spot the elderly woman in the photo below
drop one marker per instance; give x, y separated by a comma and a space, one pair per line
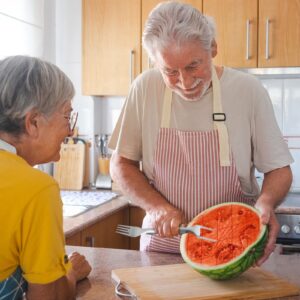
200, 131
35, 117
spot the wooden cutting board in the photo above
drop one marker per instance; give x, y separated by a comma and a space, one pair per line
69, 170
180, 281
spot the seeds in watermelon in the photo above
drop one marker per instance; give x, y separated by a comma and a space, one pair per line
240, 236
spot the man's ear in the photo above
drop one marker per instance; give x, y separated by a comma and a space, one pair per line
32, 123
214, 48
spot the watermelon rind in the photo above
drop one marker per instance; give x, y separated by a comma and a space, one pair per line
239, 264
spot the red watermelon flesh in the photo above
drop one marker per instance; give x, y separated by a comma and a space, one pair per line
236, 227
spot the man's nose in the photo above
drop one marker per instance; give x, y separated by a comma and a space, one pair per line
186, 80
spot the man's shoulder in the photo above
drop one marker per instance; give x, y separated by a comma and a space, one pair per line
150, 76
239, 78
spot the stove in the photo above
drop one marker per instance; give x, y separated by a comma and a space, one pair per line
288, 216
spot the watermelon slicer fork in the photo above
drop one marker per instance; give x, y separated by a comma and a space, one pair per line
134, 231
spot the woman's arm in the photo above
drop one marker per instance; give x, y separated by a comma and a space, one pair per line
63, 288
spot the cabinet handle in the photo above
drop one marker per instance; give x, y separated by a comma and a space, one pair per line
247, 38
267, 39
131, 65
149, 62
90, 241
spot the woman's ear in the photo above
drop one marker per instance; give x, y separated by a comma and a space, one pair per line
32, 123
214, 48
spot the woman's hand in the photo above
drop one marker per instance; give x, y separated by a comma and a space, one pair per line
268, 217
80, 266
166, 220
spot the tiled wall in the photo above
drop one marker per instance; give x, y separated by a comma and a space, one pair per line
285, 96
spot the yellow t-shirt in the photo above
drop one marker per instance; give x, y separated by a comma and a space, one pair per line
31, 223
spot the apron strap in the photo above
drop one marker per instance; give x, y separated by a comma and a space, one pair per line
166, 112
219, 121
218, 118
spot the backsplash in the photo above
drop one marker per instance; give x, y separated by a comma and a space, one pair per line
285, 96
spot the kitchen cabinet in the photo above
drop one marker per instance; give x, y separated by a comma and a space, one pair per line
136, 216
147, 6
236, 22
256, 33
110, 45
74, 240
102, 233
279, 33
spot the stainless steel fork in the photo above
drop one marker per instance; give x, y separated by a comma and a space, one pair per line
134, 231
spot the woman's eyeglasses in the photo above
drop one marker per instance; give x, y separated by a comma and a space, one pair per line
72, 119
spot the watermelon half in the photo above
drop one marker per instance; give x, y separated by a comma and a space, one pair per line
240, 235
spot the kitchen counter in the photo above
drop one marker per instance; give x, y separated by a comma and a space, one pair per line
73, 225
99, 284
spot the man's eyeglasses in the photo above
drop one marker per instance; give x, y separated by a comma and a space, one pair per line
72, 119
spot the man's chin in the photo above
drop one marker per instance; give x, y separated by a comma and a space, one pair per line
190, 98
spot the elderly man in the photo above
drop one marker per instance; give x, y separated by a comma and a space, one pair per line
200, 131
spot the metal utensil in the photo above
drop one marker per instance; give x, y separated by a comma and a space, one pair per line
134, 231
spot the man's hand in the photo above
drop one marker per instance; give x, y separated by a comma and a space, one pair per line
268, 218
166, 220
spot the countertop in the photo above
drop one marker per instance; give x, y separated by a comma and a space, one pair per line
104, 260
80, 222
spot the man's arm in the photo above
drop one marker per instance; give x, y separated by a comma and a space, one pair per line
275, 186
132, 182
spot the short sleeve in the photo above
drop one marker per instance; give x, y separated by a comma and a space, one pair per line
42, 251
270, 149
126, 138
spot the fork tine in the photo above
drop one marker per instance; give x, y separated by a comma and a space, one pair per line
123, 226
206, 228
207, 239
122, 230
123, 233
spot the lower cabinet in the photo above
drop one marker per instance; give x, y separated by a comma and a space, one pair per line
136, 216
102, 233
74, 240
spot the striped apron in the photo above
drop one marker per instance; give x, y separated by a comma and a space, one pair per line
192, 169
13, 287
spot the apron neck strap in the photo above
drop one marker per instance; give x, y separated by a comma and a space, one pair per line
218, 117
219, 121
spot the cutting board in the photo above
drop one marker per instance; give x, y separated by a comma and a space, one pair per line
71, 170
180, 281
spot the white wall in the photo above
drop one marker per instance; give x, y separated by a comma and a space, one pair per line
21, 27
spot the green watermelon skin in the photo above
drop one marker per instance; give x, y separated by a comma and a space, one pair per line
239, 264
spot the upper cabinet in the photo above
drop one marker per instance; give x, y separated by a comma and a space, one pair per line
279, 33
256, 33
236, 22
111, 52
250, 34
147, 6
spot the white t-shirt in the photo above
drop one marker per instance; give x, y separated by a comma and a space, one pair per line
254, 136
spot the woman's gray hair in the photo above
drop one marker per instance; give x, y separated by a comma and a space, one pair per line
172, 22
29, 83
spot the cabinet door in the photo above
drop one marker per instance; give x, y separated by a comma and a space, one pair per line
136, 216
236, 22
102, 234
111, 45
279, 33
74, 240
147, 6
